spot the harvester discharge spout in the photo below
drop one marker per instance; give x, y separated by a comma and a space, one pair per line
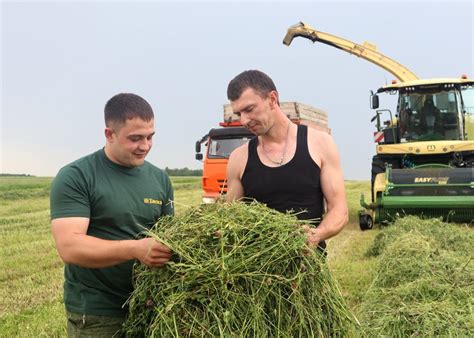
367, 50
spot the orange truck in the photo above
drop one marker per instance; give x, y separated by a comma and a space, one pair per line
220, 142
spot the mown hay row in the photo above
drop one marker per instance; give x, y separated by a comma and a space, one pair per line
425, 280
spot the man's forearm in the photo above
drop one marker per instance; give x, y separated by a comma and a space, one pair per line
332, 224
91, 252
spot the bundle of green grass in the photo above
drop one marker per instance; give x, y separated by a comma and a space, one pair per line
425, 280
238, 270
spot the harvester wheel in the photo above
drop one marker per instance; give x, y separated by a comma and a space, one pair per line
365, 222
378, 166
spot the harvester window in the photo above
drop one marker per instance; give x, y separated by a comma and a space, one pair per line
468, 99
429, 116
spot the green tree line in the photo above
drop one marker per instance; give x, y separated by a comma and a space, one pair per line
7, 174
183, 172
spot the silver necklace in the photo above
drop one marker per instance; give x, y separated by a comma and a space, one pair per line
280, 162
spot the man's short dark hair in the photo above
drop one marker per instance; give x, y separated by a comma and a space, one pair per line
126, 106
255, 79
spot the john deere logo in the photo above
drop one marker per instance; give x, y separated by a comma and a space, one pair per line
431, 147
434, 180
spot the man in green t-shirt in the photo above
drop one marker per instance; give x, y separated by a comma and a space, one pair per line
100, 206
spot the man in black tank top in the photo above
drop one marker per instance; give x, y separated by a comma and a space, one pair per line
286, 166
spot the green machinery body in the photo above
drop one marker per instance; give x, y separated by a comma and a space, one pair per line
437, 191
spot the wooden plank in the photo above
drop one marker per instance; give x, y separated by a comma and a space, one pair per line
294, 111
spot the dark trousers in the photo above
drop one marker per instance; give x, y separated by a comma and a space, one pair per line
79, 326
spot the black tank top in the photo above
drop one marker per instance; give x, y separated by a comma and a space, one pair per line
294, 186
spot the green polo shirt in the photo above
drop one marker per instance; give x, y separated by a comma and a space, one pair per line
120, 203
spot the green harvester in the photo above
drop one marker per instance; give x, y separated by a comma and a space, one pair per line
424, 162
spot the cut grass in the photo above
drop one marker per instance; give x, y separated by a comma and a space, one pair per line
47, 319
347, 260
424, 282
349, 265
238, 270
31, 273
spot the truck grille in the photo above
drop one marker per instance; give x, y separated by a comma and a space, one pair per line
222, 185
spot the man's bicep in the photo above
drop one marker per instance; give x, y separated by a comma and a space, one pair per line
235, 191
332, 179
234, 184
332, 182
65, 228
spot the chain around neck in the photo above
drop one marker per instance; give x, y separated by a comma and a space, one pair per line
282, 157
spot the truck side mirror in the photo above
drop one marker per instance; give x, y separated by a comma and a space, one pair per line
199, 156
374, 101
198, 147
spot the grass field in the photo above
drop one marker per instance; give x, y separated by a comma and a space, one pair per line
31, 273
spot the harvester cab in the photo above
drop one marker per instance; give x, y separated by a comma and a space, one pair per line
424, 162
439, 112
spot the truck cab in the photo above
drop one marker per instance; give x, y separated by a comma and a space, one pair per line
219, 143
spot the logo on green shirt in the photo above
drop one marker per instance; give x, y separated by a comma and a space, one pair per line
152, 201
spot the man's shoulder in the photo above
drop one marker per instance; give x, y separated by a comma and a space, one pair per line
239, 156
84, 160
321, 145
241, 150
73, 184
81, 166
316, 135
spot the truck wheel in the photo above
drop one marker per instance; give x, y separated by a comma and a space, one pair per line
365, 222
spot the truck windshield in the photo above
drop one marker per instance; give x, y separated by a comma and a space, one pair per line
222, 147
429, 116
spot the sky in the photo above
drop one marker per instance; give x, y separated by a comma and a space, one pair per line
62, 61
